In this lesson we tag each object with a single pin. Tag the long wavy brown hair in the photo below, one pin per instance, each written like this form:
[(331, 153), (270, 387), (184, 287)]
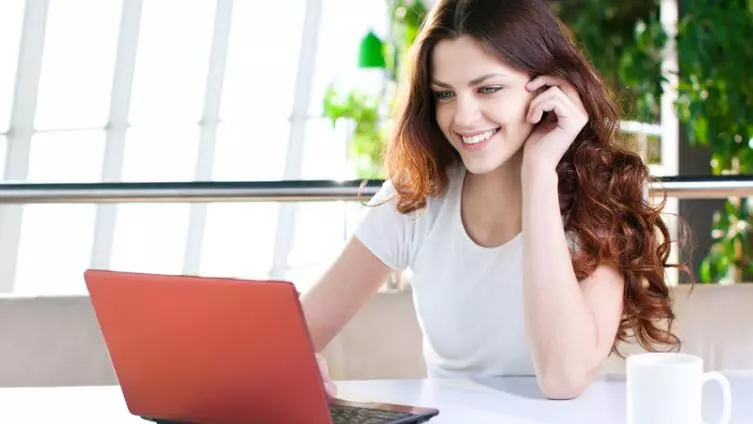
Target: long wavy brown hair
[(601, 184)]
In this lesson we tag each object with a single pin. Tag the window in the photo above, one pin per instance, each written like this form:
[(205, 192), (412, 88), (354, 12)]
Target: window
[(176, 91), (152, 237), (3, 152), (11, 19), (171, 62), (77, 65), (56, 240)]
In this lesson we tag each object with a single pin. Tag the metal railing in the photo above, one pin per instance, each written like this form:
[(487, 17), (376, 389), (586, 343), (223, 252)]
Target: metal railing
[(307, 190)]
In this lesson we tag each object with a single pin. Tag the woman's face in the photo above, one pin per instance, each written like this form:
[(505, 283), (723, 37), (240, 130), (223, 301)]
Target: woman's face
[(481, 103)]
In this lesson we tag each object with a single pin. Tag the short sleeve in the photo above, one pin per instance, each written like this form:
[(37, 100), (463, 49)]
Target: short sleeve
[(386, 232)]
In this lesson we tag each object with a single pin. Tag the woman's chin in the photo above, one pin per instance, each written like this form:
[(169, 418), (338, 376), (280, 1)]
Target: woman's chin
[(480, 166)]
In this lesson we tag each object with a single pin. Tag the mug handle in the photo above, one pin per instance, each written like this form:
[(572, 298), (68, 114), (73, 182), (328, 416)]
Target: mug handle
[(726, 393)]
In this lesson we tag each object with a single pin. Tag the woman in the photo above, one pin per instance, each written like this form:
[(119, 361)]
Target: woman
[(532, 246)]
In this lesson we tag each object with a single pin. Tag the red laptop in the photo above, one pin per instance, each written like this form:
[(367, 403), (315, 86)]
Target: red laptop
[(219, 350)]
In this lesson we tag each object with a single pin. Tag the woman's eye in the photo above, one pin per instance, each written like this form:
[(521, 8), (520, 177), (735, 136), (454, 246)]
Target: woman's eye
[(443, 95), (490, 90)]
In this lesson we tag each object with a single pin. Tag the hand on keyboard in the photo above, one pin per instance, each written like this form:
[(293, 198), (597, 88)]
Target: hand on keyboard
[(329, 386)]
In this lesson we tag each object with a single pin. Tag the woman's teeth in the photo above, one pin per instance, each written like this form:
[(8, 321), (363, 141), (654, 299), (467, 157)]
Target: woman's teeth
[(479, 138)]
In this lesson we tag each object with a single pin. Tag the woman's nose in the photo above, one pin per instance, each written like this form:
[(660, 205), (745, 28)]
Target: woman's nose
[(467, 112)]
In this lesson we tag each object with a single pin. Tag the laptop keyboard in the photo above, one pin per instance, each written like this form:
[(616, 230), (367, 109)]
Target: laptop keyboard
[(354, 415)]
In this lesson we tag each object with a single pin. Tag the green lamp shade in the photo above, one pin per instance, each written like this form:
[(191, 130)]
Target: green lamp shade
[(371, 53)]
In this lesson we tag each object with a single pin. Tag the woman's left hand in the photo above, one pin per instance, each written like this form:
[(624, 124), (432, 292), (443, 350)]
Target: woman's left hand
[(551, 137)]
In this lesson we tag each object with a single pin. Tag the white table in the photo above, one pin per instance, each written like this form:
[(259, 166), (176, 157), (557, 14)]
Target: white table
[(507, 400), (519, 401)]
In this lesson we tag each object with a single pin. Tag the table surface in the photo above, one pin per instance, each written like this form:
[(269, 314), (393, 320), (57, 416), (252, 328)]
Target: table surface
[(512, 400)]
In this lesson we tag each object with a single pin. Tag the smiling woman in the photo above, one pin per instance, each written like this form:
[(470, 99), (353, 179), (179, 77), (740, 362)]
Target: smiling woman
[(532, 247), (474, 112)]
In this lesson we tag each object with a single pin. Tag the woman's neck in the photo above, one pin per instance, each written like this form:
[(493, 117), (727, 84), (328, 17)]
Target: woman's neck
[(492, 203)]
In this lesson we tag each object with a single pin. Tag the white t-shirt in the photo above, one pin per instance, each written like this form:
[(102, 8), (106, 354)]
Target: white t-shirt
[(468, 298)]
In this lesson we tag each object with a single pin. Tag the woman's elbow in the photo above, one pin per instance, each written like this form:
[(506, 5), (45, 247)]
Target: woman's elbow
[(565, 386)]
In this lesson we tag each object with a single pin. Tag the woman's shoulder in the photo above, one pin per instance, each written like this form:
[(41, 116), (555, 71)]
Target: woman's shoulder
[(389, 194), (394, 236)]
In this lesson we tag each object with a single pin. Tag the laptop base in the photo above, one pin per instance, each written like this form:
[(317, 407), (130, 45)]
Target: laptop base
[(357, 412)]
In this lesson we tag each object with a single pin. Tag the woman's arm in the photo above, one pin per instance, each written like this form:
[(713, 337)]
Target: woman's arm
[(342, 291), (381, 243), (571, 325)]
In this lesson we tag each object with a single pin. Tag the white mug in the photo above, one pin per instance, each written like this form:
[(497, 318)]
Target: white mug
[(667, 388)]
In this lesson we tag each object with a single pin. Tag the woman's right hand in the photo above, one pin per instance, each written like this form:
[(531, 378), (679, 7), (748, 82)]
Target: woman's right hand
[(329, 385), (328, 306)]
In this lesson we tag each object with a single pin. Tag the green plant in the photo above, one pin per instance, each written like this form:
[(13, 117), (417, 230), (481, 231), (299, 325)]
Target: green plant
[(716, 106), (369, 113), (367, 143), (624, 41)]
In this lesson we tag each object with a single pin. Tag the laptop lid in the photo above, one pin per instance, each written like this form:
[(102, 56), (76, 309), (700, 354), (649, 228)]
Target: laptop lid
[(198, 349)]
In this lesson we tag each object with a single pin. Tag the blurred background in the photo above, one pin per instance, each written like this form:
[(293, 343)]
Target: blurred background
[(253, 90)]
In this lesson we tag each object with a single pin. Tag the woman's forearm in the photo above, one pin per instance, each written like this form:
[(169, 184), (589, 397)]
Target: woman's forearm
[(561, 327)]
